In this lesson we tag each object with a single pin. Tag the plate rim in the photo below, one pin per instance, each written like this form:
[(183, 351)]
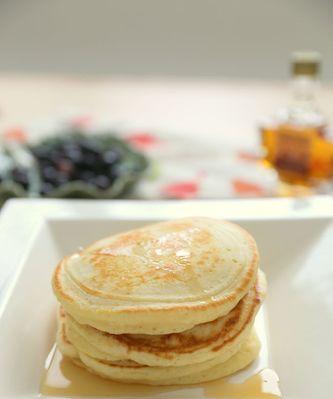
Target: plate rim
[(21, 219)]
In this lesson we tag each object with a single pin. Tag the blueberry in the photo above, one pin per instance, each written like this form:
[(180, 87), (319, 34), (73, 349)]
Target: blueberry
[(89, 145), (61, 179), (113, 174), (102, 182), (88, 160), (20, 176), (44, 162), (73, 152), (49, 173), (110, 157), (65, 166), (87, 176), (70, 146), (41, 152), (55, 156), (46, 188)]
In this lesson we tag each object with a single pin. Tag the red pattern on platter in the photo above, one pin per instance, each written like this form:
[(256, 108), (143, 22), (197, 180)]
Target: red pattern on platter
[(247, 156), (16, 134), (244, 187), (82, 121), (181, 190), (143, 140)]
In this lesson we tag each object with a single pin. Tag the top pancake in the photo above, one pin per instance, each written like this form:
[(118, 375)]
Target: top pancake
[(159, 279)]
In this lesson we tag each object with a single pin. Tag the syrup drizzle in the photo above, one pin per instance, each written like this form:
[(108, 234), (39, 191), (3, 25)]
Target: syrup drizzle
[(62, 378)]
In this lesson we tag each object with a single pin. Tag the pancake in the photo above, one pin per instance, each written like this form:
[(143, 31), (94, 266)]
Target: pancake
[(221, 337), (248, 352), (160, 279), (64, 344), (132, 372), (143, 375)]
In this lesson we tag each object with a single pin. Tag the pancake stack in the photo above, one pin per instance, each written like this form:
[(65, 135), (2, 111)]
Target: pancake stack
[(169, 303)]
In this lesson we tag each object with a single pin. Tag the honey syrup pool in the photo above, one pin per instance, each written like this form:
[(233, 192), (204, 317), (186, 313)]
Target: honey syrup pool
[(62, 378)]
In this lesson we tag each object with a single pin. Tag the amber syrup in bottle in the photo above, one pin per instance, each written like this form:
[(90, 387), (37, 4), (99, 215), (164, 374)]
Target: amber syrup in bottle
[(296, 141)]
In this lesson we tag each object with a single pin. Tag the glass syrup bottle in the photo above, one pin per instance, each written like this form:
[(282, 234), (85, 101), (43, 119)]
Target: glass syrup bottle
[(296, 141)]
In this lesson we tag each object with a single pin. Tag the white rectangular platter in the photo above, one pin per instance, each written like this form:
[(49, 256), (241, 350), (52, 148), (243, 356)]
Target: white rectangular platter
[(295, 238)]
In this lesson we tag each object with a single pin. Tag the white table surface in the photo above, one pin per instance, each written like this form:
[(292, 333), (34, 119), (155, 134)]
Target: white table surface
[(223, 111)]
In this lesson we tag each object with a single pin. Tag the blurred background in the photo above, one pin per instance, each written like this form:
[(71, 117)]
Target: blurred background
[(189, 87), (187, 38)]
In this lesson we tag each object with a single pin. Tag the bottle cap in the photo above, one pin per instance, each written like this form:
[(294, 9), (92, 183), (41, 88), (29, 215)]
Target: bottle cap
[(306, 63)]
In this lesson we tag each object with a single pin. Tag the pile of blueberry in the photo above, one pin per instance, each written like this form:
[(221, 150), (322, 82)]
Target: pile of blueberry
[(97, 160)]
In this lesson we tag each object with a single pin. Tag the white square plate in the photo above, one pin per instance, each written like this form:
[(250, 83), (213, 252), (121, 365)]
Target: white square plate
[(295, 238)]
